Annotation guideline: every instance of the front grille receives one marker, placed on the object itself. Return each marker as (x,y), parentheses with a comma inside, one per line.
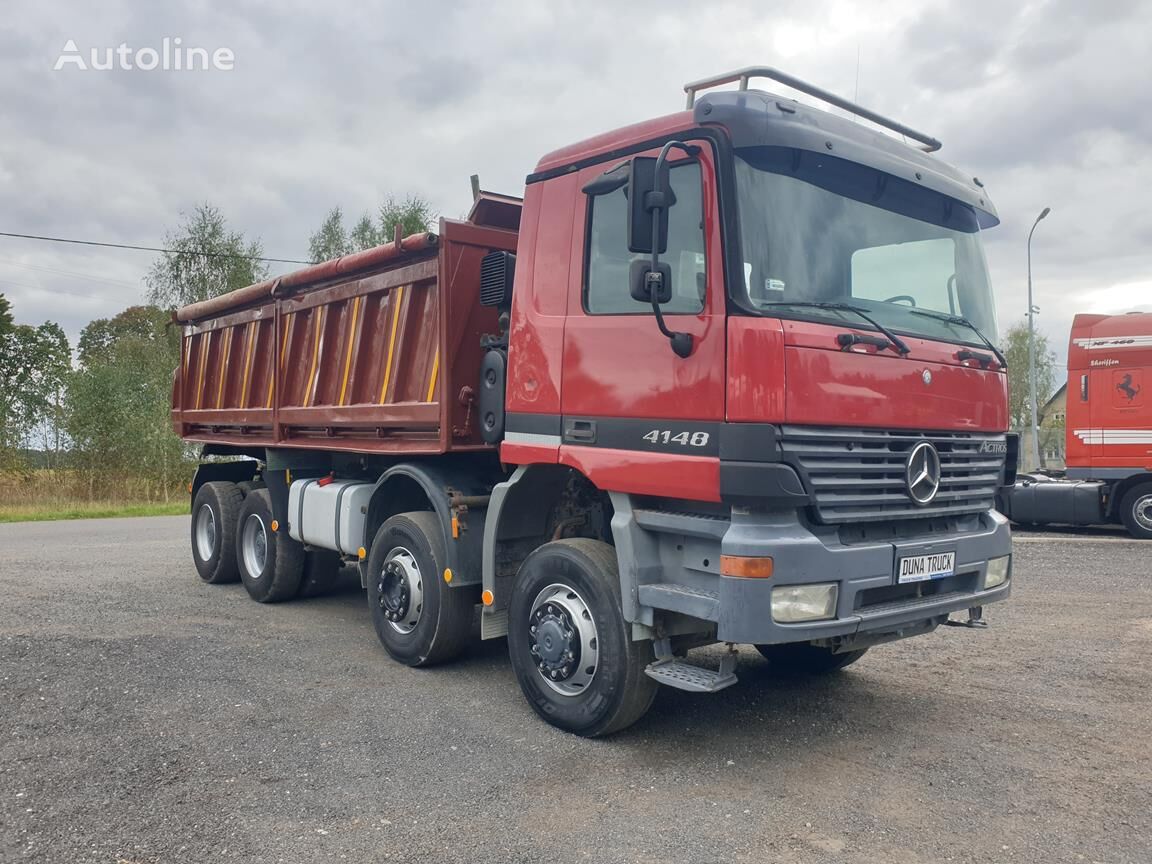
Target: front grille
(857,475)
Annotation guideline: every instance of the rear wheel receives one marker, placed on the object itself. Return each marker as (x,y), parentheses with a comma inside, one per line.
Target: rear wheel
(214,514)
(1136,511)
(571,648)
(800,658)
(271,563)
(419,619)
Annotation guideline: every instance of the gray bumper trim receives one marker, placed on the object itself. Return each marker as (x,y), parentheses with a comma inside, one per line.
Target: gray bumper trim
(801,557)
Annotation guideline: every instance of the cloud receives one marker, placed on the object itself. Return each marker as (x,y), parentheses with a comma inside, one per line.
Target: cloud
(1047,102)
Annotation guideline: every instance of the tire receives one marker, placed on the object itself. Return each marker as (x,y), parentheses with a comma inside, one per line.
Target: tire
(799,659)
(321,572)
(215,510)
(1136,511)
(568,592)
(271,563)
(419,619)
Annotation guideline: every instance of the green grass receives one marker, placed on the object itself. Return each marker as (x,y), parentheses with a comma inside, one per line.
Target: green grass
(50,511)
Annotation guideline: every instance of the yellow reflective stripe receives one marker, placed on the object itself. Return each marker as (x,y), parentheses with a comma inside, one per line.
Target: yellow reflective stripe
(205,339)
(224,367)
(309,394)
(432,379)
(392,342)
(348,353)
(247,363)
(287,319)
(185,356)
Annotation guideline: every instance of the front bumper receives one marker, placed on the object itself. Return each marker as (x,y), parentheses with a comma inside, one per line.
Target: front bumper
(870,603)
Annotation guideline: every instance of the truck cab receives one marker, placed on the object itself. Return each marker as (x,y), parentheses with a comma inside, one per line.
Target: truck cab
(838,411)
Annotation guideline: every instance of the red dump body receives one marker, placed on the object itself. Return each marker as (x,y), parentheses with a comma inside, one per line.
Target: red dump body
(376,352)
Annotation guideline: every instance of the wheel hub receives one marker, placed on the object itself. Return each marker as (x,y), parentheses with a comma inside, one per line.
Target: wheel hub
(254,546)
(553,643)
(400,590)
(562,640)
(395,595)
(205,532)
(1143,512)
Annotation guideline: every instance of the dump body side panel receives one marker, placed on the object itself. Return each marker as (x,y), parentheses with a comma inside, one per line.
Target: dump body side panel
(375,361)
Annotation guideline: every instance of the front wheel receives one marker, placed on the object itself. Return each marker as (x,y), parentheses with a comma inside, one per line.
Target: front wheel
(799,659)
(1136,511)
(570,646)
(418,617)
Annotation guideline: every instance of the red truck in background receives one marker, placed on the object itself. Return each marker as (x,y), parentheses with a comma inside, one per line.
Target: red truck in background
(720,376)
(1108,433)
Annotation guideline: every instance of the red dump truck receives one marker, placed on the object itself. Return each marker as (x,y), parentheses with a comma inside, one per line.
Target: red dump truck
(1108,432)
(719,377)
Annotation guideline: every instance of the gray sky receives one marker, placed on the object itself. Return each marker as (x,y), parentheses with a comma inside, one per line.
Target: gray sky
(1049,103)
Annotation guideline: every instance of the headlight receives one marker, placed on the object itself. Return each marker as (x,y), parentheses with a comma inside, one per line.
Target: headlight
(998,570)
(792,603)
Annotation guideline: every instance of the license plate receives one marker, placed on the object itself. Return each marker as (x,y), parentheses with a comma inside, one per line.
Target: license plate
(920,568)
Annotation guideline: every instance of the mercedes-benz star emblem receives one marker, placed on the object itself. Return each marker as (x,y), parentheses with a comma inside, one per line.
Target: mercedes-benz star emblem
(922,473)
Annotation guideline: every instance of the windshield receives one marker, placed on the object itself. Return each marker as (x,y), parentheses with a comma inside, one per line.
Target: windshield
(820,229)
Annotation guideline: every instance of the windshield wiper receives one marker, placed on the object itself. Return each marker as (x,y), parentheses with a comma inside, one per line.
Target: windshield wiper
(963,322)
(895,341)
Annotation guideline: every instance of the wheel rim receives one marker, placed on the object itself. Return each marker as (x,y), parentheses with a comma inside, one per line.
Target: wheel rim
(562,640)
(1142,512)
(400,590)
(205,532)
(254,543)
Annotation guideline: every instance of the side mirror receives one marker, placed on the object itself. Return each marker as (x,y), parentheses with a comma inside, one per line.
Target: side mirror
(648,285)
(649,197)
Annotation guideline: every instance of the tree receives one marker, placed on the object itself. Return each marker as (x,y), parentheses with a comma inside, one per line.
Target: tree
(50,357)
(34,362)
(413,215)
(1015,348)
(207,260)
(99,339)
(331,240)
(118,404)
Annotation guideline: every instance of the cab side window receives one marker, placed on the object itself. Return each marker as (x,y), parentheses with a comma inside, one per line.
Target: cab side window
(608,259)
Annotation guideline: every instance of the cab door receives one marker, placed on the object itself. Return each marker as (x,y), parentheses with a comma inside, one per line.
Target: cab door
(635,416)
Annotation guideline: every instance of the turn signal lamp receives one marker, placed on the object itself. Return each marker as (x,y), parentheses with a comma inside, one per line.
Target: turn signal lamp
(745,568)
(488,597)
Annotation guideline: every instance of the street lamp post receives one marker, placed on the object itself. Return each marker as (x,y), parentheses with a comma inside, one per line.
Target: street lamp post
(1032,348)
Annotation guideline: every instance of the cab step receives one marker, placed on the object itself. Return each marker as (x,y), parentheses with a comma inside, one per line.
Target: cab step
(696,679)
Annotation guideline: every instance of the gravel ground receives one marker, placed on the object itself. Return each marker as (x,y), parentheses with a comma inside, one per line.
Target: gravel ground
(148,717)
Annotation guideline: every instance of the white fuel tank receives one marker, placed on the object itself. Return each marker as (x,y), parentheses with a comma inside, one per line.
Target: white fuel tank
(330,516)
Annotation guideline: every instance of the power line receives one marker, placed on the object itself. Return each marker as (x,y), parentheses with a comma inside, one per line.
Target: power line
(8,262)
(151,248)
